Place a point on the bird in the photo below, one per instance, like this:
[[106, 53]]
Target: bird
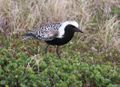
[[55, 34]]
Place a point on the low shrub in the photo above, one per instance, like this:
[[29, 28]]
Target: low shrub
[[20, 70]]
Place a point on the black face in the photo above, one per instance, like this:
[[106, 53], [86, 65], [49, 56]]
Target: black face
[[72, 29]]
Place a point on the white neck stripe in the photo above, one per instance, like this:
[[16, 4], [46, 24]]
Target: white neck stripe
[[61, 30]]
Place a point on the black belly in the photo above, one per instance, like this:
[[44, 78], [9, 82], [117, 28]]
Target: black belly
[[60, 41], [57, 42], [69, 33]]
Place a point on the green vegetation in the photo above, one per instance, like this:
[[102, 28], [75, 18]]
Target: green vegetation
[[24, 65], [91, 59], [52, 71]]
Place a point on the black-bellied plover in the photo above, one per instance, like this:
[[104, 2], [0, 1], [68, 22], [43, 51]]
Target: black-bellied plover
[[56, 34]]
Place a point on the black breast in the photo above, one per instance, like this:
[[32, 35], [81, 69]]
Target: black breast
[[69, 33]]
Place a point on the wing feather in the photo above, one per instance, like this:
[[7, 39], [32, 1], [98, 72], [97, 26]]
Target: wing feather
[[46, 32]]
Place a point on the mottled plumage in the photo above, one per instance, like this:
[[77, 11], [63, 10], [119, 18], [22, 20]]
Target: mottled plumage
[[46, 32], [55, 34]]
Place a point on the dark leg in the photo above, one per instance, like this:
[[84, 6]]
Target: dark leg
[[57, 51], [46, 49]]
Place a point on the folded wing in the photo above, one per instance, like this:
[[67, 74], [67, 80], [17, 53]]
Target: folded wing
[[45, 33]]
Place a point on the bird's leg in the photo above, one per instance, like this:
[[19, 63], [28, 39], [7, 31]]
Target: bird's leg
[[46, 49], [57, 51]]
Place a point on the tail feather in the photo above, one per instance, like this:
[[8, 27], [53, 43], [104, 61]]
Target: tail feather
[[28, 36]]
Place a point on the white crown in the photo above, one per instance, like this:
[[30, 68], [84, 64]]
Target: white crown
[[74, 23]]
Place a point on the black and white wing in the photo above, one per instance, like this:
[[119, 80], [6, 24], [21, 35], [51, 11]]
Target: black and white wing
[[46, 32]]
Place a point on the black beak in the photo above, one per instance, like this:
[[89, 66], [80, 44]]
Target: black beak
[[78, 30]]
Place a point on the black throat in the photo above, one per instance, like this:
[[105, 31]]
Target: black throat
[[69, 33]]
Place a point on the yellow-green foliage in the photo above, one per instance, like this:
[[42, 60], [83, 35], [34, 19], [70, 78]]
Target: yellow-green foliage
[[19, 69]]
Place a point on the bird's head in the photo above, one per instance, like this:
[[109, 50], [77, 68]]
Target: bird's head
[[71, 26]]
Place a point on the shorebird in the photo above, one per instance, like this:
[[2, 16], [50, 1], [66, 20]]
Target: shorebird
[[55, 34]]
